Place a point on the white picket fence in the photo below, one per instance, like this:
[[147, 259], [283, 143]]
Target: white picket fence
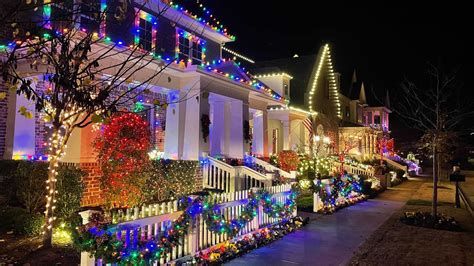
[[220, 175], [147, 222]]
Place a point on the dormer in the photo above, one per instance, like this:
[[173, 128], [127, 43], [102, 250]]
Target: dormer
[[279, 82]]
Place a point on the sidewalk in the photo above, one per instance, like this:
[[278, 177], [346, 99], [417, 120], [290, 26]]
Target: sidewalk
[[332, 239]]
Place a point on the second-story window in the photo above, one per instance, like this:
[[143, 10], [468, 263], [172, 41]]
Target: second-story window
[[190, 48], [183, 46], [197, 52], [145, 34], [145, 31], [90, 15]]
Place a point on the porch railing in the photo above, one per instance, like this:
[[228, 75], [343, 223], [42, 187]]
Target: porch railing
[[150, 224], [220, 175], [271, 168], [355, 170]]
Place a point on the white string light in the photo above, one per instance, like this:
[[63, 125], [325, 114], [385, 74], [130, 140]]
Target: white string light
[[238, 55]]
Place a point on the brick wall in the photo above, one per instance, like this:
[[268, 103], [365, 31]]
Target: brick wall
[[3, 119], [92, 193], [40, 125]]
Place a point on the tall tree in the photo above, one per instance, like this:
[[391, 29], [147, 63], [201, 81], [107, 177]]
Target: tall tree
[[88, 76], [437, 109]]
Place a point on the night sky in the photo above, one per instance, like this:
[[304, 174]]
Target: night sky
[[384, 43]]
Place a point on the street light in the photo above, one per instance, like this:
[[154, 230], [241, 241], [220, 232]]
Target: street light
[[326, 140]]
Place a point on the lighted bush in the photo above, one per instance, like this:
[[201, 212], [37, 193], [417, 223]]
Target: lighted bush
[[288, 160], [122, 150], [170, 179]]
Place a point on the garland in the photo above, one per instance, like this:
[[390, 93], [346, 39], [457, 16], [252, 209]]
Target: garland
[[340, 192], [216, 222], [99, 239], [221, 253]]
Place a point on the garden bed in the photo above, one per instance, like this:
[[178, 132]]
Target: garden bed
[[221, 253], [426, 219]]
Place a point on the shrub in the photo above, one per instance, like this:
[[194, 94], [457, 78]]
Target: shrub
[[70, 189], [7, 173], [288, 160], [30, 180], [20, 221], [170, 179], [31, 224]]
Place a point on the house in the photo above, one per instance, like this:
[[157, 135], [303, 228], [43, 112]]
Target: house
[[214, 108], [341, 119]]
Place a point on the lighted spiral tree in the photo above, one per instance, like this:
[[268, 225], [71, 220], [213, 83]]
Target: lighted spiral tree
[[122, 148]]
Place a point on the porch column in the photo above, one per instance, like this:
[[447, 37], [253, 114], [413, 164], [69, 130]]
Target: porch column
[[194, 144], [260, 133], [286, 134], [174, 130], [218, 128], [236, 125], [366, 145]]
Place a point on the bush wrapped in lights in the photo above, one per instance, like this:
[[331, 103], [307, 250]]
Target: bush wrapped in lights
[[122, 150], [288, 160], [338, 192]]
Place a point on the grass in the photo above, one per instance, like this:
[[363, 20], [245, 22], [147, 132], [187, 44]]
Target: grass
[[418, 202], [305, 202]]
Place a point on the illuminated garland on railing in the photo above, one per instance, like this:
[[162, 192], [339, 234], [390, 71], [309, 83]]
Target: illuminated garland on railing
[[98, 237]]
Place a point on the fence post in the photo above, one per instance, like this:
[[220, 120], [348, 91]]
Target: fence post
[[316, 202], [86, 258]]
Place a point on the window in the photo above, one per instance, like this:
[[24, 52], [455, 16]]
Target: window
[[377, 119], [61, 15], [90, 15], [286, 90], [145, 35], [275, 141], [197, 52], [183, 46], [190, 48]]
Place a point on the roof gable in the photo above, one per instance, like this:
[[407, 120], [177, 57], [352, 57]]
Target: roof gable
[[322, 92]]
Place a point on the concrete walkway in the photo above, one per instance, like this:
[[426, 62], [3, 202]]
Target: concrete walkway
[[332, 239]]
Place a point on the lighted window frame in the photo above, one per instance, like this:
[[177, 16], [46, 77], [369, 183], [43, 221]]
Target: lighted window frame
[[190, 48], [145, 31]]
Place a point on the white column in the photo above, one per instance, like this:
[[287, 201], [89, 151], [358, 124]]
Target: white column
[[194, 144], [374, 145], [286, 134], [236, 140], [217, 128], [175, 115], [260, 133], [366, 145]]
